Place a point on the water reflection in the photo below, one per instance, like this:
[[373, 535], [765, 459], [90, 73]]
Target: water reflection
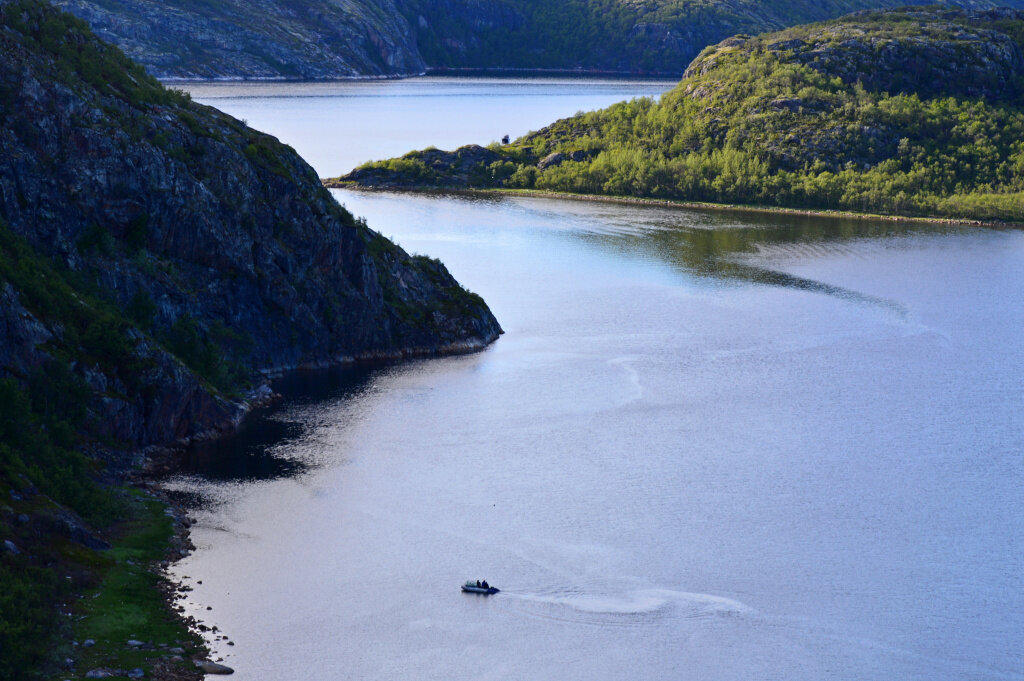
[[742, 246]]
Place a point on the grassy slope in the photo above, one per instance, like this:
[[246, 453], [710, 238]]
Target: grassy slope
[[913, 113]]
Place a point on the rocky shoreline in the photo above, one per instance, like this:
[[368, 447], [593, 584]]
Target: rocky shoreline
[[157, 463], [178, 80], [263, 396]]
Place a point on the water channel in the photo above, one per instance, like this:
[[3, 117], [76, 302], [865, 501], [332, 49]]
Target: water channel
[[710, 445]]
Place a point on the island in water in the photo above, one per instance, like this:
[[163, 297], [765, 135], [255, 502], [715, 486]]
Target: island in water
[[914, 112]]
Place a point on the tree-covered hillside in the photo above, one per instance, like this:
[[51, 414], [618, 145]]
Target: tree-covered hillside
[[914, 111]]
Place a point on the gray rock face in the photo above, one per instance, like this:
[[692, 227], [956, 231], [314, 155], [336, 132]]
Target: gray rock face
[[316, 39], [551, 160], [208, 667], [313, 39], [222, 235]]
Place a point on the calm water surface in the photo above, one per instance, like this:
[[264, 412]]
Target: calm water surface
[[709, 446], [337, 126]]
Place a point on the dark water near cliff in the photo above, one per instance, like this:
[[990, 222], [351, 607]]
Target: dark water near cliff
[[709, 446]]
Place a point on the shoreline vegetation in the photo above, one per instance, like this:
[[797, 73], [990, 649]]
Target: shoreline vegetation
[[914, 112], [333, 183]]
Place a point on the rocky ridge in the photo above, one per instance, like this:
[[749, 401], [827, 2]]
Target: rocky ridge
[[259, 39], [159, 260], [321, 39], [931, 53]]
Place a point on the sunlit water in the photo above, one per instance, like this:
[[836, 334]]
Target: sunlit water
[[709, 446]]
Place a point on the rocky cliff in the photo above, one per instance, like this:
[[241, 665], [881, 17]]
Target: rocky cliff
[[309, 40], [334, 39], [165, 256], [158, 259]]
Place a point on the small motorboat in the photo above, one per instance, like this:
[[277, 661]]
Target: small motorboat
[[471, 587]]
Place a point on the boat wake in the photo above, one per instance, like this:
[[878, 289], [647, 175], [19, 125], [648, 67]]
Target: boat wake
[[626, 608]]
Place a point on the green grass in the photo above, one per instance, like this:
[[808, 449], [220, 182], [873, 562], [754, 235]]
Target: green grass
[[128, 603]]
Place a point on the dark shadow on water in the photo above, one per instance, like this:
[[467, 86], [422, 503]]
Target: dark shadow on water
[[252, 453]]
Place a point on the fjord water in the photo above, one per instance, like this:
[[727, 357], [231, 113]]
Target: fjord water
[[710, 445], [336, 126]]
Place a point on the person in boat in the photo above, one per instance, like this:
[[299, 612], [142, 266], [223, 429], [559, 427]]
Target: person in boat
[[484, 584], [478, 584]]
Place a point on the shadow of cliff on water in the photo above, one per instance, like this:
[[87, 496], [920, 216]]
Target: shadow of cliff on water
[[254, 452]]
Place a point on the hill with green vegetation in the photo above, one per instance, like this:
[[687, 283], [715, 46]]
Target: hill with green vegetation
[[324, 39], [158, 260], [910, 112]]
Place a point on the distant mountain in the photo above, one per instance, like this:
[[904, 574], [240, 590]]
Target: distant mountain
[[158, 259], [913, 111], [310, 39], [622, 36], [316, 39]]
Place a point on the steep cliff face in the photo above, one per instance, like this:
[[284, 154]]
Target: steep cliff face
[[166, 254], [313, 39]]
